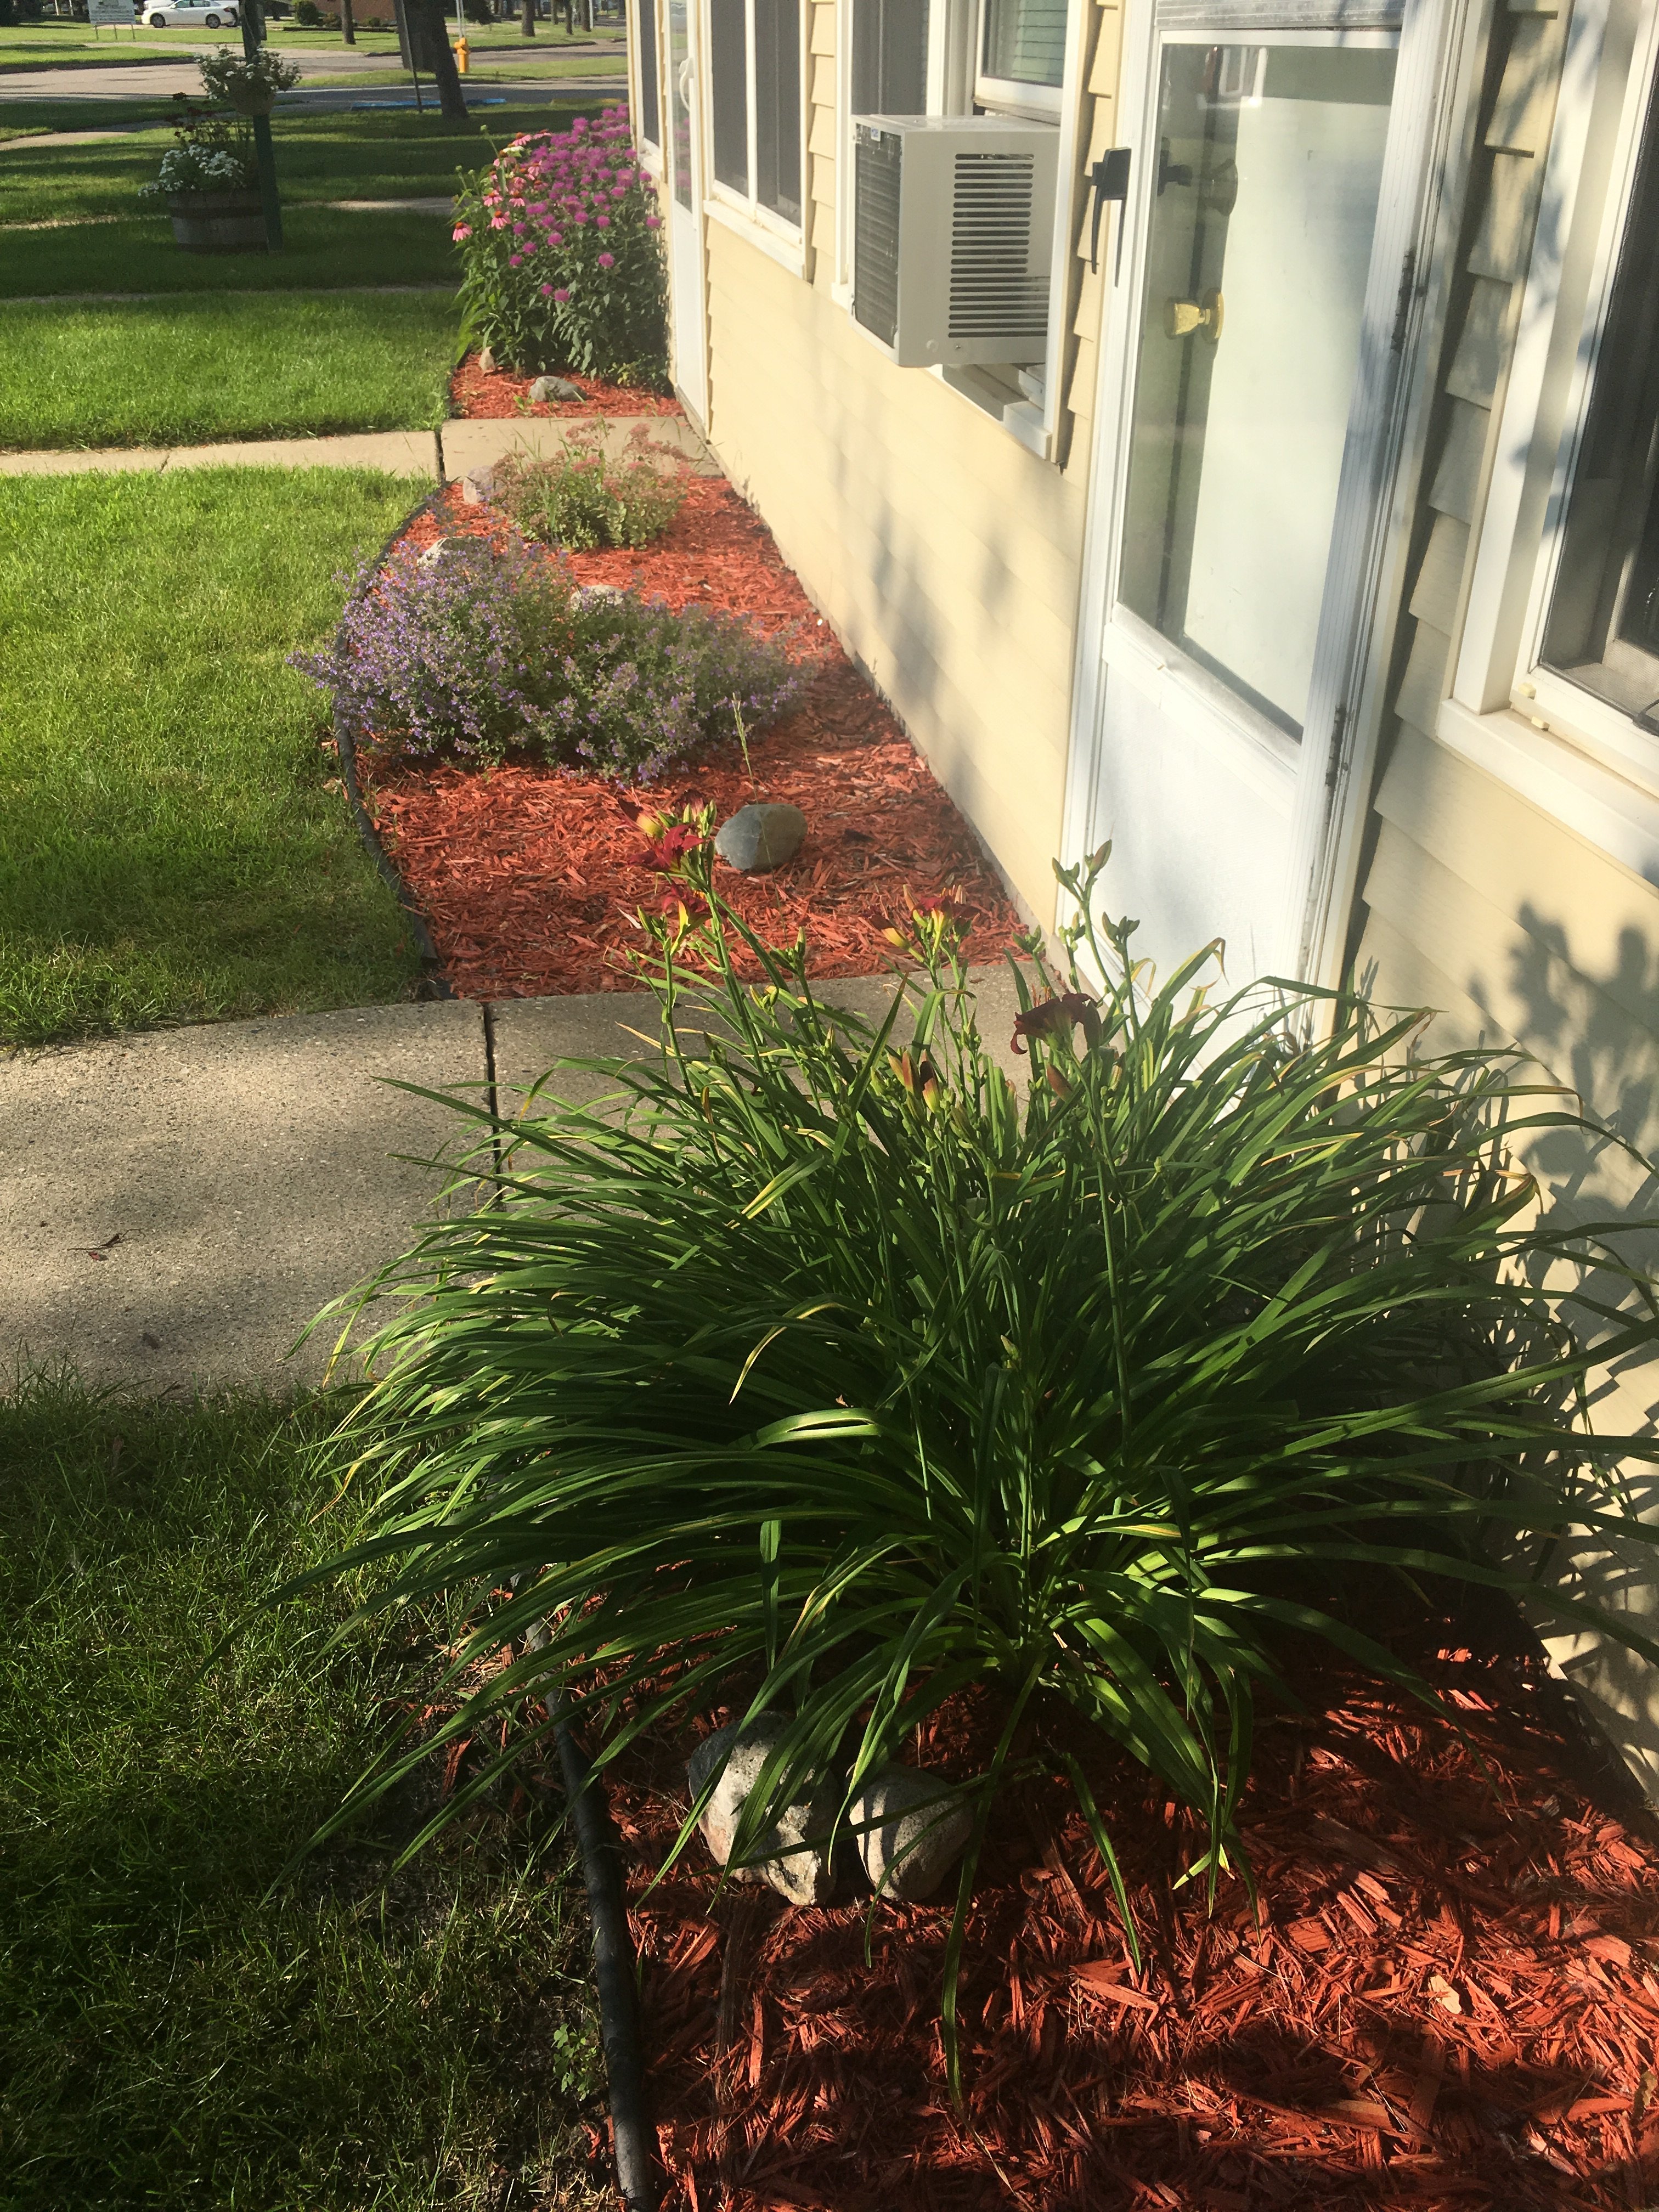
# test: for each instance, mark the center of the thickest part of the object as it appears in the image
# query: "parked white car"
(191, 15)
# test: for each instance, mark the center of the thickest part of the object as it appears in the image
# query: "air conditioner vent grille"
(878, 157)
(993, 290)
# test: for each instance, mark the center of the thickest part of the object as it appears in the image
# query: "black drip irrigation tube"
(434, 983)
(634, 2140)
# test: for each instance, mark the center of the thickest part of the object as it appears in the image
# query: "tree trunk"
(527, 19)
(347, 28)
(441, 56)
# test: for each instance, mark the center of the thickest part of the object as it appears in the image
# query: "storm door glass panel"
(728, 66)
(777, 107)
(679, 58)
(645, 30)
(1269, 164)
(889, 57)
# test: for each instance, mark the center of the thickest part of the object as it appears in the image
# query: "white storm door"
(1253, 376)
(688, 306)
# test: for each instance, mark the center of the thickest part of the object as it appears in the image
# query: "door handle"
(1108, 180)
(1182, 317)
(687, 78)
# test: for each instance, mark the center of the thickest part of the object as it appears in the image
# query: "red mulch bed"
(532, 879)
(502, 395)
(1449, 2000)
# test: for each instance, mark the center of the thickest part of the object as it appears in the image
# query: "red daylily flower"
(1051, 1018)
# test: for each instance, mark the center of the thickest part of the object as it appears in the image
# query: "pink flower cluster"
(560, 240)
(548, 184)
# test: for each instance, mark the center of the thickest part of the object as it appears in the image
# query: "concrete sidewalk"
(447, 453)
(177, 1205)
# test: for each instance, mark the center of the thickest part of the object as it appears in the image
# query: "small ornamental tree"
(561, 248)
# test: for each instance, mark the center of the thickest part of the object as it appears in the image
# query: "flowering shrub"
(228, 79)
(209, 154)
(485, 648)
(561, 248)
(577, 498)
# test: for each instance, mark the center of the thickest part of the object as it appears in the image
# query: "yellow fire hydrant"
(462, 64)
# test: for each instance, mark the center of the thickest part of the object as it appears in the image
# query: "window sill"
(1615, 817)
(1021, 418)
(789, 252)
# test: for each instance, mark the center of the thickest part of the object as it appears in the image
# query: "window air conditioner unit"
(953, 220)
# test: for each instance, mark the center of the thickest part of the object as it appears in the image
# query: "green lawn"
(170, 848)
(326, 249)
(263, 365)
(176, 2034)
(394, 155)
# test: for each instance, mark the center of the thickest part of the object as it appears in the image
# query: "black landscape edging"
(634, 2140)
(433, 984)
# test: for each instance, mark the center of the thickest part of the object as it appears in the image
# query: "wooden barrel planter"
(218, 222)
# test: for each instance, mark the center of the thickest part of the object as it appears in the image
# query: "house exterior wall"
(1483, 905)
(945, 553)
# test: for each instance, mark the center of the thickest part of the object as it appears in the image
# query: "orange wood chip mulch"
(532, 879)
(501, 394)
(1450, 2001)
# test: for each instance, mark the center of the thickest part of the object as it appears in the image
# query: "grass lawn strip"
(184, 371)
(174, 2032)
(389, 155)
(327, 249)
(172, 848)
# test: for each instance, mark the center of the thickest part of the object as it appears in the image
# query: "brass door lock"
(1182, 317)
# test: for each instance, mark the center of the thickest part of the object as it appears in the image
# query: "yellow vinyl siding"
(1479, 904)
(943, 554)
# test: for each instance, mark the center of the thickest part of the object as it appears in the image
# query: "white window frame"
(650, 150)
(776, 236)
(1006, 95)
(1573, 755)
(956, 31)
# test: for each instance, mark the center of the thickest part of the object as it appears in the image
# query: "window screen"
(729, 74)
(777, 107)
(1025, 40)
(889, 57)
(650, 118)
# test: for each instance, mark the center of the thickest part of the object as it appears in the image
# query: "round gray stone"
(555, 387)
(911, 1827)
(802, 1872)
(760, 835)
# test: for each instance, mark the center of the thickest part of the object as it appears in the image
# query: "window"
(754, 67)
(650, 113)
(1021, 59)
(1601, 632)
(1024, 42)
(889, 57)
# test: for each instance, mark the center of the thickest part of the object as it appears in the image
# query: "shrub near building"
(562, 251)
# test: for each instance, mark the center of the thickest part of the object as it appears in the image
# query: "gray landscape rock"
(915, 1839)
(433, 554)
(761, 836)
(804, 1876)
(478, 487)
(555, 387)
